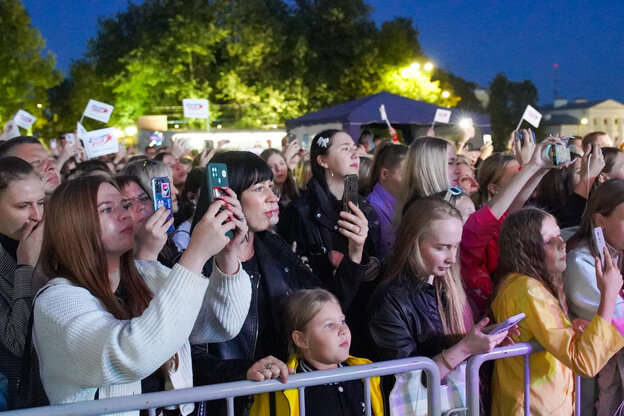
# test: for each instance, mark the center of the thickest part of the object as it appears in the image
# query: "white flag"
(101, 142)
(532, 116)
(98, 111)
(195, 108)
(442, 116)
(10, 130)
(24, 120)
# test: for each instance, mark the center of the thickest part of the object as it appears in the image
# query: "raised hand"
(29, 247)
(354, 226)
(152, 236)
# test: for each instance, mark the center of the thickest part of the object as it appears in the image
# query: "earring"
(332, 178)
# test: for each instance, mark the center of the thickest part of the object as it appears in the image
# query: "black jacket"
(281, 273)
(312, 221)
(404, 320)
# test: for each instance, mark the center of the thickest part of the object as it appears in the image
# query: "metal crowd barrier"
(229, 391)
(522, 348)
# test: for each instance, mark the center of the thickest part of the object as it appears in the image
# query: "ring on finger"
(268, 366)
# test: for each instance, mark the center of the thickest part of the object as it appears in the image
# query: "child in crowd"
(319, 339)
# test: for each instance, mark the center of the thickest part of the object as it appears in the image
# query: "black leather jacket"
(281, 273)
(404, 320)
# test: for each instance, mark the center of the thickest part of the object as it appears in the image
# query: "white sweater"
(83, 348)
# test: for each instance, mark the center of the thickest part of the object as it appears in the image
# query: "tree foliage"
(26, 70)
(508, 100)
(259, 62)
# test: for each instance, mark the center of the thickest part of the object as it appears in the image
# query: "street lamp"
(446, 94)
(130, 130)
(428, 66)
(584, 121)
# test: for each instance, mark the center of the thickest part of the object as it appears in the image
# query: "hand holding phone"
(161, 195)
(213, 184)
(504, 326)
(350, 192)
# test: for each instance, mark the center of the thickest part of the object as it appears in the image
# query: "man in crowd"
(32, 151)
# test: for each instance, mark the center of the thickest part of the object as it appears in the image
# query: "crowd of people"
(105, 296)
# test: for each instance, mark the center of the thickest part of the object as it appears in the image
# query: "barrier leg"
(301, 401)
(230, 405)
(151, 412)
(577, 395)
(367, 396)
(527, 386)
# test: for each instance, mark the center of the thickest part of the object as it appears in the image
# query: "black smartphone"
(208, 145)
(350, 192)
(215, 179)
(161, 195)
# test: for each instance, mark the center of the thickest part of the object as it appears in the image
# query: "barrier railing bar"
(247, 388)
(367, 396)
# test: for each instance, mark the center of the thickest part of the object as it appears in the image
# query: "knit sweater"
(83, 349)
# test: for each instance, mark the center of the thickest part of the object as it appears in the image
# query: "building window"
(595, 122)
(606, 120)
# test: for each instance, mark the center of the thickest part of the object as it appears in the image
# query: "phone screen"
(161, 195)
(215, 179)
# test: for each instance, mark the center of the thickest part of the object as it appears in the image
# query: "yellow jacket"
(287, 401)
(552, 371)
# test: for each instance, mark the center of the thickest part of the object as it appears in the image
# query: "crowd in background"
(281, 274)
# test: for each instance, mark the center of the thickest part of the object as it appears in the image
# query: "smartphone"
(599, 243)
(520, 137)
(507, 324)
(487, 138)
(215, 179)
(53, 144)
(556, 153)
(161, 195)
(208, 145)
(350, 192)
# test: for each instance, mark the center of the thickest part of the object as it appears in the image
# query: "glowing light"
(415, 66)
(39, 105)
(130, 130)
(446, 94)
(428, 66)
(465, 123)
(584, 121)
(177, 126)
(219, 126)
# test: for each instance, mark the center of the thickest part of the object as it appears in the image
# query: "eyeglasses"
(453, 191)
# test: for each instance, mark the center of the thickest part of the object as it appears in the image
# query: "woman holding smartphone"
(275, 272)
(531, 262)
(315, 223)
(122, 327)
(605, 209)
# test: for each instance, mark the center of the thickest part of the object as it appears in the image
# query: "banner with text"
(24, 119)
(98, 111)
(195, 108)
(10, 130)
(101, 142)
(442, 116)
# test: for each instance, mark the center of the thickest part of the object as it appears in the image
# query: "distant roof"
(559, 119)
(572, 105)
(400, 110)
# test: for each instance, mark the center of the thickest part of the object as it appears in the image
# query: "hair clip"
(323, 141)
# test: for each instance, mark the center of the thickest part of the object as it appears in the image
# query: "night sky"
(473, 39)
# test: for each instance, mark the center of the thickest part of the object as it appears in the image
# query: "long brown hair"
(72, 248)
(491, 171)
(521, 250)
(407, 262)
(604, 200)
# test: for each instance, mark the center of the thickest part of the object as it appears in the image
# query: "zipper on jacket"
(255, 342)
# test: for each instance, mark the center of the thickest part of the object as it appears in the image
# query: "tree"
(508, 100)
(26, 70)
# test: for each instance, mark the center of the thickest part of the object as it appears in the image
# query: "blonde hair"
(300, 308)
(426, 171)
(407, 263)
